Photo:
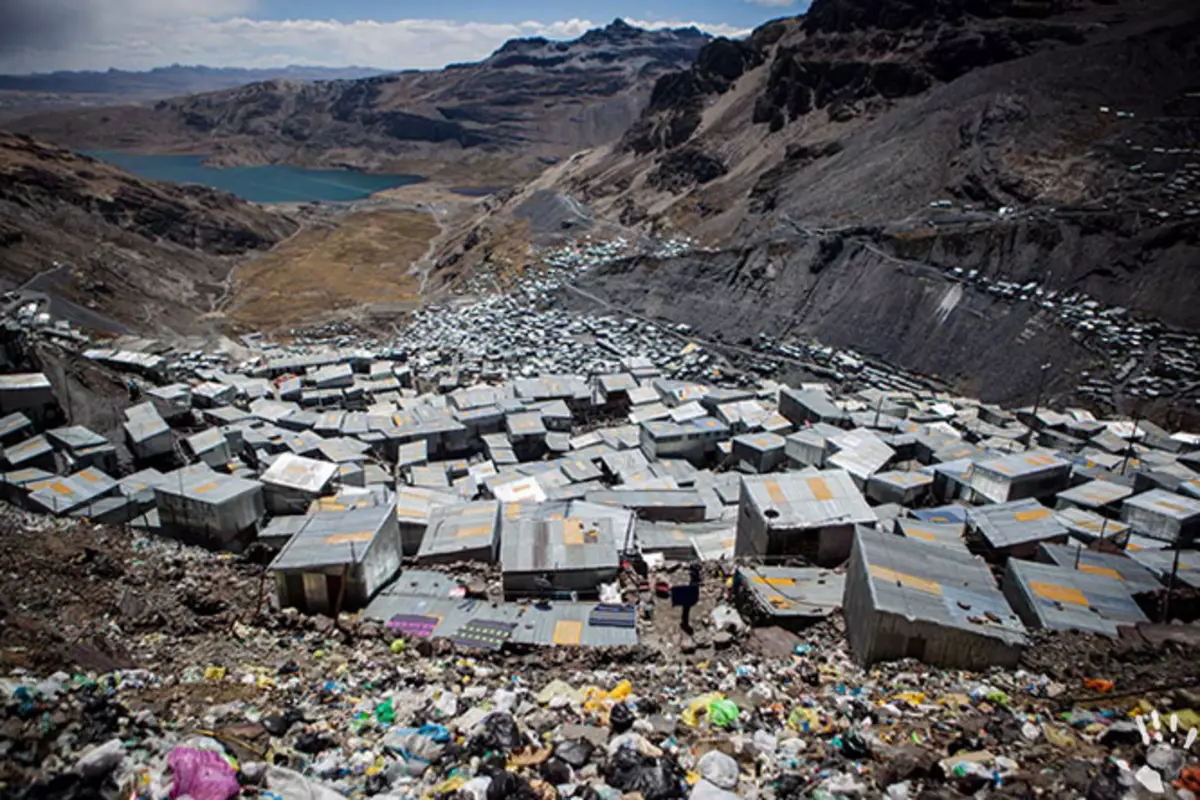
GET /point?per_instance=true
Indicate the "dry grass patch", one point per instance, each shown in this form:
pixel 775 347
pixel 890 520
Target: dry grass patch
pixel 366 259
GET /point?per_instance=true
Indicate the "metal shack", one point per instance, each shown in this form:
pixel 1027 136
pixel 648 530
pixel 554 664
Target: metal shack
pixel 1020 476
pixel 1163 515
pixel 1086 526
pixel 1099 495
pixel 943 534
pixel 1137 579
pixel 461 532
pixel 147 434
pixel 210 447
pixel 759 452
pixel 791 597
pixel 939 605
pixel 807 515
pixel 663 505
pixel 1059 598
pixel 64 495
pixel 35 453
pixel 29 392
pixel 574 545
pixel 1013 529
pixel 338 560
pixel 897 486
pixel 810 407
pixel 209 508
pixel 292 482
pixel 172 402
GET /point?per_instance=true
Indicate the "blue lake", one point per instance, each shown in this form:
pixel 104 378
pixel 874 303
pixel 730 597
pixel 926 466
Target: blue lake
pixel 264 184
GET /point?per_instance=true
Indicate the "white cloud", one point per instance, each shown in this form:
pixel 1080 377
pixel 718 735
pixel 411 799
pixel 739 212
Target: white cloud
pixel 140 34
pixel 773 3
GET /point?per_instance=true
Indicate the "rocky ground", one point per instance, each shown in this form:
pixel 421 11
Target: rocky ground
pixel 132 666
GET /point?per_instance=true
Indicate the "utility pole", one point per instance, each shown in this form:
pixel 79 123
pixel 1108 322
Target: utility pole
pixel 1137 418
pixel 1037 402
pixel 1166 617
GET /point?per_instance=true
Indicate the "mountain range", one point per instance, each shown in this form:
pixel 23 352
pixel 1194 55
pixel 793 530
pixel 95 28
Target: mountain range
pixel 505 118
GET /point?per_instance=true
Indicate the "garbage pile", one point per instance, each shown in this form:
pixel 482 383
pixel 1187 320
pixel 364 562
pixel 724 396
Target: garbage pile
pixel 290 709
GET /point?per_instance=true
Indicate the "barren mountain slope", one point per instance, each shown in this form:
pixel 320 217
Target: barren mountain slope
pixel 142 253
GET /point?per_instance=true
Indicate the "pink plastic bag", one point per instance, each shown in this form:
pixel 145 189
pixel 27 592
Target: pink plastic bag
pixel 201 775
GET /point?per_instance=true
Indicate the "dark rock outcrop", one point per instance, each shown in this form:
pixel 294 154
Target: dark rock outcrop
pixel 681 169
pixel 677 101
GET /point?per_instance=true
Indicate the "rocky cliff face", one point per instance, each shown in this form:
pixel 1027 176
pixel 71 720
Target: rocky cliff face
pixel 529 103
pixel 140 251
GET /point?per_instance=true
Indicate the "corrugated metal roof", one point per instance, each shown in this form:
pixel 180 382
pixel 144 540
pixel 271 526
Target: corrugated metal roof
pixel 297 472
pixel 794 591
pixel 75 437
pixel 66 494
pixel 27 380
pixel 461 527
pixel 582 542
pixel 1094 494
pixel 559 624
pixel 14 422
pixel 205 485
pixel 792 501
pixel 938 585
pixel 1087 525
pixel 1019 465
pixel 860 452
pixel 332 538
pixel 413 504
pixel 1165 504
pixel 28 449
pixel 950 513
pixel 1019 522
pixel 903 479
pixel 1059 598
pixel 1161 562
pixel 944 534
pixel 1137 578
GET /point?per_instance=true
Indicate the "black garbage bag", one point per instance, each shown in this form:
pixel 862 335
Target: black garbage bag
pixel 555 772
pixel 855 747
pixel 500 733
pixel 630 771
pixel 507 785
pixel 280 724
pixel 791 787
pixel 313 743
pixel 575 752
pixel 621 718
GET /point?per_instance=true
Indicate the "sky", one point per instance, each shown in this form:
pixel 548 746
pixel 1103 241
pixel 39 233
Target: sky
pixel 48 35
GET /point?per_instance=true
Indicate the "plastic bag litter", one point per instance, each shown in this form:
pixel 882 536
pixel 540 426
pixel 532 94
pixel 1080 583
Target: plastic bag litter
pixel 718 769
pixel 630 771
pixel 690 715
pixel 723 713
pixel 476 788
pixel 289 785
pixel 417 748
pixel 704 790
pixel 201 775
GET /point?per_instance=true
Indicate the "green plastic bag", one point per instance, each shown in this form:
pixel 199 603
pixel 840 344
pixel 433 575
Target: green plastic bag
pixel 723 713
pixel 385 713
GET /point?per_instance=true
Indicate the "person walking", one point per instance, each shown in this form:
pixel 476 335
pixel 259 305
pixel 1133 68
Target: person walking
pixel 690 597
